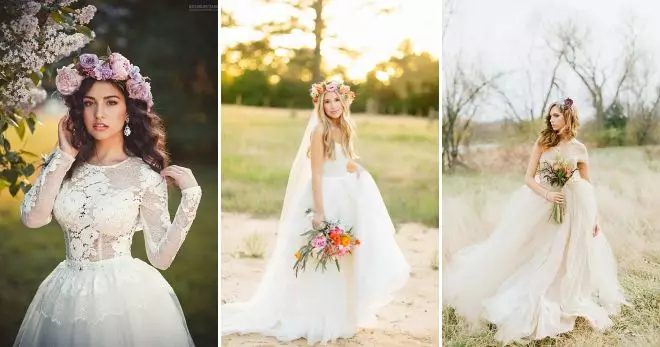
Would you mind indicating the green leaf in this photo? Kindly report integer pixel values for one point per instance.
(20, 130)
(36, 77)
(13, 190)
(11, 121)
(85, 31)
(68, 10)
(109, 51)
(4, 184)
(31, 122)
(57, 17)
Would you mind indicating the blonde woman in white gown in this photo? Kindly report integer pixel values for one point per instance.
(324, 306)
(533, 277)
(104, 181)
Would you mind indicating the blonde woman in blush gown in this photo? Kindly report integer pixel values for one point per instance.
(532, 277)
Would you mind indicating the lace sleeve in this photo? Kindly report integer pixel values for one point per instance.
(582, 155)
(37, 206)
(164, 238)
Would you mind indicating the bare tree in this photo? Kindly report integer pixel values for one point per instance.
(643, 104)
(463, 93)
(593, 76)
(531, 107)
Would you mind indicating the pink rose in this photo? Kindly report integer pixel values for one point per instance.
(319, 242)
(332, 87)
(120, 66)
(140, 90)
(68, 80)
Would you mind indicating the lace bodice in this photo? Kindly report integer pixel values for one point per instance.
(336, 167)
(572, 151)
(101, 207)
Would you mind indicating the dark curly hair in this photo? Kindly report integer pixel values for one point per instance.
(147, 139)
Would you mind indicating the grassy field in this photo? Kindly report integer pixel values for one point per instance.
(259, 144)
(628, 194)
(28, 255)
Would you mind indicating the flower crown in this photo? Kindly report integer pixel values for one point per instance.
(337, 86)
(115, 67)
(563, 104)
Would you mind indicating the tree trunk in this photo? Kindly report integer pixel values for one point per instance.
(318, 35)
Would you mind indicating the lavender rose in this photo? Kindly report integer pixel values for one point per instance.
(103, 72)
(89, 61)
(68, 80)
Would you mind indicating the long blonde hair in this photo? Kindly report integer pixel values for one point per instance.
(550, 137)
(346, 126)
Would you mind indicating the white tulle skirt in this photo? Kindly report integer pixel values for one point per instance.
(324, 306)
(116, 302)
(532, 278)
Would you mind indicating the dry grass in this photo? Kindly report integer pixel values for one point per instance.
(254, 246)
(628, 193)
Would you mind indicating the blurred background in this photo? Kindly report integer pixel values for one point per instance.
(175, 43)
(387, 51)
(503, 63)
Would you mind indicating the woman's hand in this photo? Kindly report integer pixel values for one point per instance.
(555, 197)
(64, 137)
(318, 220)
(183, 177)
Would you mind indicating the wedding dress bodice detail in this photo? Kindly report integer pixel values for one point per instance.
(336, 167)
(573, 152)
(101, 207)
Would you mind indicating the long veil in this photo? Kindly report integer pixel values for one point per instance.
(237, 316)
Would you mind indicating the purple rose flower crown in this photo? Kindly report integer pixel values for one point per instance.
(116, 67)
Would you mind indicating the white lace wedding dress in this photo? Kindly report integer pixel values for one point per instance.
(324, 306)
(100, 295)
(532, 278)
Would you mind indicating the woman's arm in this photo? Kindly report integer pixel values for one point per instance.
(532, 166)
(317, 158)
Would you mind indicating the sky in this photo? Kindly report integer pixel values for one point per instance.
(375, 37)
(508, 36)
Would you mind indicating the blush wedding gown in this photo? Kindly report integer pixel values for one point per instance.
(100, 295)
(324, 306)
(532, 278)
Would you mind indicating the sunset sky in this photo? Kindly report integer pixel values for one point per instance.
(376, 37)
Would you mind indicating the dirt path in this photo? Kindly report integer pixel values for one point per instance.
(410, 320)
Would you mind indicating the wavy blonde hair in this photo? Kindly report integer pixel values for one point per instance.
(549, 137)
(346, 127)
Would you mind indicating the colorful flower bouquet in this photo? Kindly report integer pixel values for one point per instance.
(557, 175)
(329, 243)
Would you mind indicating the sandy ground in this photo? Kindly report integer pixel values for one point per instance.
(409, 320)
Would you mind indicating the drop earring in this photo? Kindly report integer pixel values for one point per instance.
(127, 130)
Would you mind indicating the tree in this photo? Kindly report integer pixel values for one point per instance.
(34, 36)
(462, 95)
(594, 77)
(298, 10)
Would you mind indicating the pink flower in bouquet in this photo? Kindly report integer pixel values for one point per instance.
(68, 80)
(319, 242)
(342, 250)
(567, 171)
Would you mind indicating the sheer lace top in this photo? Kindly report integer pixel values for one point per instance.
(336, 167)
(572, 151)
(100, 208)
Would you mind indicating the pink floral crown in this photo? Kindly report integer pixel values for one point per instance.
(337, 86)
(115, 67)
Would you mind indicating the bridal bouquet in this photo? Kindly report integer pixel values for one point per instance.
(329, 243)
(557, 175)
